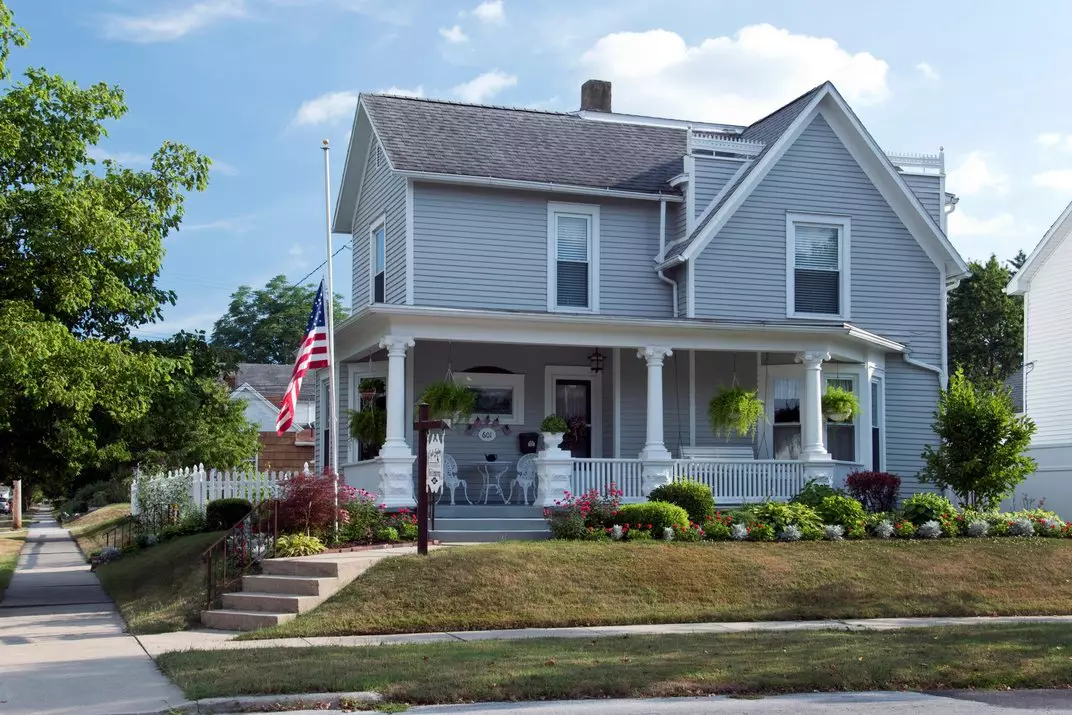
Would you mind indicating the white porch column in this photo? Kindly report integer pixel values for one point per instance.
(658, 462)
(812, 418)
(396, 457)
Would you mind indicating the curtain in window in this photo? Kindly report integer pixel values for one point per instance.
(786, 429)
(817, 270)
(572, 255)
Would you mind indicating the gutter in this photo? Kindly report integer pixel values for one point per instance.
(465, 179)
(662, 248)
(943, 379)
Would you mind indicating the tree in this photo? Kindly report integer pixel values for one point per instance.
(81, 246)
(981, 444)
(267, 325)
(986, 326)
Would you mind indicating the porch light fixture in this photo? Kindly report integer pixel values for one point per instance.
(596, 361)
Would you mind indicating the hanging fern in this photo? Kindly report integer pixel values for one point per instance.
(839, 401)
(369, 426)
(736, 411)
(448, 400)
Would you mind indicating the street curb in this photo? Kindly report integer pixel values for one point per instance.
(253, 703)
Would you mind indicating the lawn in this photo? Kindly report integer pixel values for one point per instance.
(1019, 656)
(160, 588)
(561, 583)
(10, 545)
(89, 530)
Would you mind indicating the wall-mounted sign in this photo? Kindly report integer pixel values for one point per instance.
(486, 434)
(434, 477)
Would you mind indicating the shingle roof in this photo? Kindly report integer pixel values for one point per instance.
(271, 380)
(449, 138)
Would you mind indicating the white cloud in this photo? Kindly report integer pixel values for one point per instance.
(482, 88)
(326, 109)
(222, 167)
(962, 224)
(929, 73)
(1055, 140)
(490, 11)
(417, 91)
(1056, 179)
(123, 158)
(977, 173)
(728, 79)
(235, 224)
(454, 34)
(297, 254)
(168, 26)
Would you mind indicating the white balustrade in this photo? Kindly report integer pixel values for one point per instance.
(625, 474)
(742, 482)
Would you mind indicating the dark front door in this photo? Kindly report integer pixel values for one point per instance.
(573, 400)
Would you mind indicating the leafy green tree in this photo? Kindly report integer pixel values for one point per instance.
(981, 444)
(267, 325)
(986, 326)
(81, 246)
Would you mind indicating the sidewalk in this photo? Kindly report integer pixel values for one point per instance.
(62, 645)
(222, 640)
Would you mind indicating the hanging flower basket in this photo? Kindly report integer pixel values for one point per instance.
(370, 388)
(735, 411)
(449, 401)
(369, 426)
(839, 404)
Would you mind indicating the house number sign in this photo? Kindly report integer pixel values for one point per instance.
(435, 462)
(486, 434)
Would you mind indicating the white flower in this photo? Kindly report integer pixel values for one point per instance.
(616, 532)
(668, 533)
(834, 532)
(1022, 527)
(883, 529)
(739, 532)
(791, 533)
(929, 530)
(978, 528)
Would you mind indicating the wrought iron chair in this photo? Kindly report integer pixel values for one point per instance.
(526, 478)
(451, 480)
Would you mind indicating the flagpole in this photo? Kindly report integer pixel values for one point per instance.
(329, 307)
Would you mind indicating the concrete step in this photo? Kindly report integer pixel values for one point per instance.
(449, 536)
(231, 620)
(296, 585)
(307, 567)
(453, 524)
(269, 602)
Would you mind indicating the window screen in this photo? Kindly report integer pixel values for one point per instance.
(817, 274)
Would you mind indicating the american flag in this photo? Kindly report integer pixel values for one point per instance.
(312, 355)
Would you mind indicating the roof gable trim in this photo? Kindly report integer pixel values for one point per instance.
(1051, 240)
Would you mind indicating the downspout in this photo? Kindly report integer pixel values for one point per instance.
(927, 366)
(662, 249)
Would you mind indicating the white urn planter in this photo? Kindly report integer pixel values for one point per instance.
(552, 441)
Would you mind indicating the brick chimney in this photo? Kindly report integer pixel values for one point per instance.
(595, 96)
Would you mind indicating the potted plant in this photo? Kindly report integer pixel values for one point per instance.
(839, 404)
(370, 427)
(554, 429)
(370, 388)
(735, 410)
(449, 401)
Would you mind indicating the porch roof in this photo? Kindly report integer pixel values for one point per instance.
(360, 333)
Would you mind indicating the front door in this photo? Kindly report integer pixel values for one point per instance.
(573, 400)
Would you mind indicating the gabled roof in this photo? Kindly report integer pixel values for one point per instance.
(781, 130)
(269, 380)
(1049, 243)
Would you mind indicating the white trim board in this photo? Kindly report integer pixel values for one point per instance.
(377, 223)
(1053, 238)
(575, 372)
(409, 242)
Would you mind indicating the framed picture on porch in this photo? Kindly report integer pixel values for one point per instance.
(498, 396)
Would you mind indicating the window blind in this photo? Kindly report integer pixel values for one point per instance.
(817, 275)
(572, 248)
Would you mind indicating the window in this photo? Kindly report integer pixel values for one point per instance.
(378, 258)
(371, 395)
(817, 251)
(877, 418)
(572, 257)
(499, 396)
(786, 423)
(841, 436)
(325, 424)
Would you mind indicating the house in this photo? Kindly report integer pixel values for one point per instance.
(621, 270)
(262, 387)
(1047, 391)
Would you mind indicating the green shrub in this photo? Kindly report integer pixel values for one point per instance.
(553, 424)
(365, 519)
(999, 525)
(193, 522)
(904, 529)
(639, 535)
(758, 531)
(97, 494)
(297, 545)
(856, 531)
(780, 515)
(927, 506)
(717, 528)
(388, 534)
(811, 532)
(222, 514)
(813, 493)
(843, 511)
(694, 497)
(658, 514)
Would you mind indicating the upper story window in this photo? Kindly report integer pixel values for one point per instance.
(572, 257)
(817, 253)
(378, 259)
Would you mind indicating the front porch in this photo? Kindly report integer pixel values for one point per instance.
(639, 413)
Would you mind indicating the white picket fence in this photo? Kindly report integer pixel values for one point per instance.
(204, 485)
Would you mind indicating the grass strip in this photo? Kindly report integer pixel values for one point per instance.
(1014, 656)
(10, 545)
(89, 530)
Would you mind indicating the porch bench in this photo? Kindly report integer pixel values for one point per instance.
(720, 453)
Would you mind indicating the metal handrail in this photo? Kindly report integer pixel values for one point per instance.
(240, 551)
(123, 533)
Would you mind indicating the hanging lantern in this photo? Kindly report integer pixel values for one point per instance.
(596, 361)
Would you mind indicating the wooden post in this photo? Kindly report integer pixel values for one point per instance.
(16, 504)
(420, 428)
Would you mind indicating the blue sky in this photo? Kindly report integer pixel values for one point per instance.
(256, 84)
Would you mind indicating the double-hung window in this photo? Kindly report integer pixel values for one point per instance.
(572, 257)
(817, 251)
(378, 259)
(841, 436)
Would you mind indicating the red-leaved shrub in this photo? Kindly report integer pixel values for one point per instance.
(308, 504)
(877, 491)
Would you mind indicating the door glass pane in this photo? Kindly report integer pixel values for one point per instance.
(786, 441)
(573, 401)
(787, 392)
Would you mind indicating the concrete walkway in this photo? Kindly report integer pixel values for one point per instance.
(223, 640)
(62, 645)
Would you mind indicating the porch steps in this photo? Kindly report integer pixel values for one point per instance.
(286, 588)
(488, 523)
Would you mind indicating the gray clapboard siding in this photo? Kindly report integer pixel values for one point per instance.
(681, 275)
(676, 216)
(634, 403)
(486, 248)
(926, 188)
(895, 287)
(711, 176)
(382, 193)
(911, 397)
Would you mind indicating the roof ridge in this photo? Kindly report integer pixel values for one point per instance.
(787, 104)
(456, 103)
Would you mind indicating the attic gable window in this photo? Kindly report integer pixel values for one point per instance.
(817, 276)
(572, 257)
(378, 259)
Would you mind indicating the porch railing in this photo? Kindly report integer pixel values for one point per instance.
(598, 474)
(741, 482)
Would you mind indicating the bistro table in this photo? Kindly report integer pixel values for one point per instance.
(492, 473)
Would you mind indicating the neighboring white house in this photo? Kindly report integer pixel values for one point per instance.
(261, 387)
(1047, 390)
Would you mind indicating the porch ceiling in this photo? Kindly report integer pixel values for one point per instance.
(361, 333)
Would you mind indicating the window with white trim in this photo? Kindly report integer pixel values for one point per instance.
(841, 436)
(573, 257)
(785, 427)
(878, 412)
(817, 251)
(378, 260)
